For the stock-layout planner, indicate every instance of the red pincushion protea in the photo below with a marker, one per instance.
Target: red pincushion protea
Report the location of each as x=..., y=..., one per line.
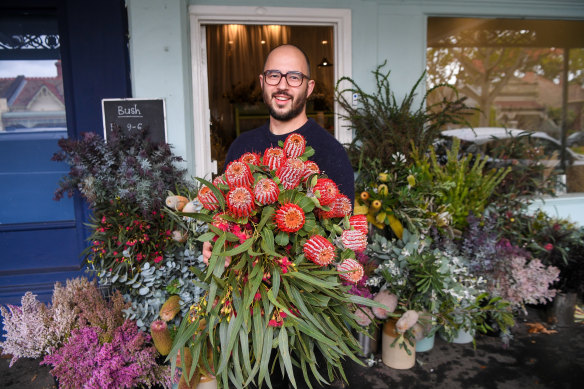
x=290, y=217
x=274, y=157
x=328, y=190
x=290, y=172
x=350, y=270
x=342, y=206
x=359, y=222
x=250, y=158
x=294, y=145
x=319, y=250
x=310, y=167
x=219, y=180
x=238, y=174
x=240, y=201
x=208, y=199
x=354, y=240
x=266, y=191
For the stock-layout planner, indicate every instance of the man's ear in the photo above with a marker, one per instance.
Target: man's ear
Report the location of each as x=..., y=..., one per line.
x=310, y=88
x=262, y=81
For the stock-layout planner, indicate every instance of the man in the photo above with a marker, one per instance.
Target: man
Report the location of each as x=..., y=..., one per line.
x=286, y=85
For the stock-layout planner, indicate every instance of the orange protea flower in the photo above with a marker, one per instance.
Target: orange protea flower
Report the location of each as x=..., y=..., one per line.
x=208, y=199
x=328, y=190
x=266, y=191
x=250, y=158
x=240, y=201
x=294, y=145
x=273, y=157
x=310, y=167
x=238, y=174
x=359, y=222
x=350, y=270
x=354, y=240
x=342, y=206
x=290, y=217
x=319, y=250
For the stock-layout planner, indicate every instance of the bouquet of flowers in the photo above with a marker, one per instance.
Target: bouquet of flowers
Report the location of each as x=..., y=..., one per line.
x=283, y=241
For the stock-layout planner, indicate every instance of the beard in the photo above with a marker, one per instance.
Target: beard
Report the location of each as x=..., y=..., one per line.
x=298, y=105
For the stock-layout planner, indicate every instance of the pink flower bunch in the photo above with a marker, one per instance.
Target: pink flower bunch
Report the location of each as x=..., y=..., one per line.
x=527, y=281
x=126, y=362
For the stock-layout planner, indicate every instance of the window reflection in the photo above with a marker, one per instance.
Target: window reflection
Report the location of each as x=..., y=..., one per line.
x=521, y=74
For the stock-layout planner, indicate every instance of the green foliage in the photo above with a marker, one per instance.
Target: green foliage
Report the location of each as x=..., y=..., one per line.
x=400, y=194
x=383, y=126
x=529, y=178
x=434, y=280
x=465, y=185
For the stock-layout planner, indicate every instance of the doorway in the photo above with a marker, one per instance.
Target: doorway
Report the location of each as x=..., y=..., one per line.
x=226, y=95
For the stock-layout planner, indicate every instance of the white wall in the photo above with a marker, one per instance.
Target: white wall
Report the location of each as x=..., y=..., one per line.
x=160, y=64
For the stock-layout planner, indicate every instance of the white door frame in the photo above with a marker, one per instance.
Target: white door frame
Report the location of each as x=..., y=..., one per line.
x=339, y=19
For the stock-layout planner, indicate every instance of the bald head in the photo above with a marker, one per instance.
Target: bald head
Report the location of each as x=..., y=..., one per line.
x=290, y=53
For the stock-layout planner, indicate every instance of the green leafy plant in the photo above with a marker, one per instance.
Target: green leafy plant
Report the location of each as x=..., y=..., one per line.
x=465, y=184
x=383, y=126
x=399, y=197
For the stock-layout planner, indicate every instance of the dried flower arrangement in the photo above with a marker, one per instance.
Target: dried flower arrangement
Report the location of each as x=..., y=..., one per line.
x=84, y=337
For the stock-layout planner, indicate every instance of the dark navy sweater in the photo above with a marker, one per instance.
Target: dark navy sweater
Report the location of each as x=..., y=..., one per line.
x=329, y=154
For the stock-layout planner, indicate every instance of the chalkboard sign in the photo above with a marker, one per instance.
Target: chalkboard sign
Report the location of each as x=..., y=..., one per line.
x=135, y=114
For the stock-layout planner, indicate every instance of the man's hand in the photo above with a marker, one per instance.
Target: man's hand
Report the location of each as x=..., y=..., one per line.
x=207, y=249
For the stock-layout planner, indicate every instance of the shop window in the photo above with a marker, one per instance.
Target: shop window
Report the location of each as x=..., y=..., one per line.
x=521, y=74
x=32, y=118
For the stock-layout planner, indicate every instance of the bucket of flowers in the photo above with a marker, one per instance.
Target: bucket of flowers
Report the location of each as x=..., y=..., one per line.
x=283, y=242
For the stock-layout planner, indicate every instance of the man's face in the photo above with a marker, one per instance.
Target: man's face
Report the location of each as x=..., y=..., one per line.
x=285, y=102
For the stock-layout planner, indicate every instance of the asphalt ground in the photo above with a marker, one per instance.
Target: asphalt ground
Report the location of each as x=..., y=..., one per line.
x=532, y=360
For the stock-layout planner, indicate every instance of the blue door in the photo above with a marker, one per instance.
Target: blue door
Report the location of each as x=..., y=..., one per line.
x=86, y=45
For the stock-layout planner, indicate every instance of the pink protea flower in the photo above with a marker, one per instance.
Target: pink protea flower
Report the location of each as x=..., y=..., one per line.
x=290, y=172
x=363, y=316
x=342, y=206
x=289, y=217
x=354, y=240
x=266, y=191
x=387, y=299
x=310, y=167
x=273, y=157
x=406, y=321
x=328, y=190
x=359, y=222
x=350, y=270
x=238, y=174
x=319, y=250
x=240, y=201
x=250, y=158
x=294, y=145
x=207, y=198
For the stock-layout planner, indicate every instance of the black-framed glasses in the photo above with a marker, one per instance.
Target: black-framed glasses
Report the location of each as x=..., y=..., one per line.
x=294, y=79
